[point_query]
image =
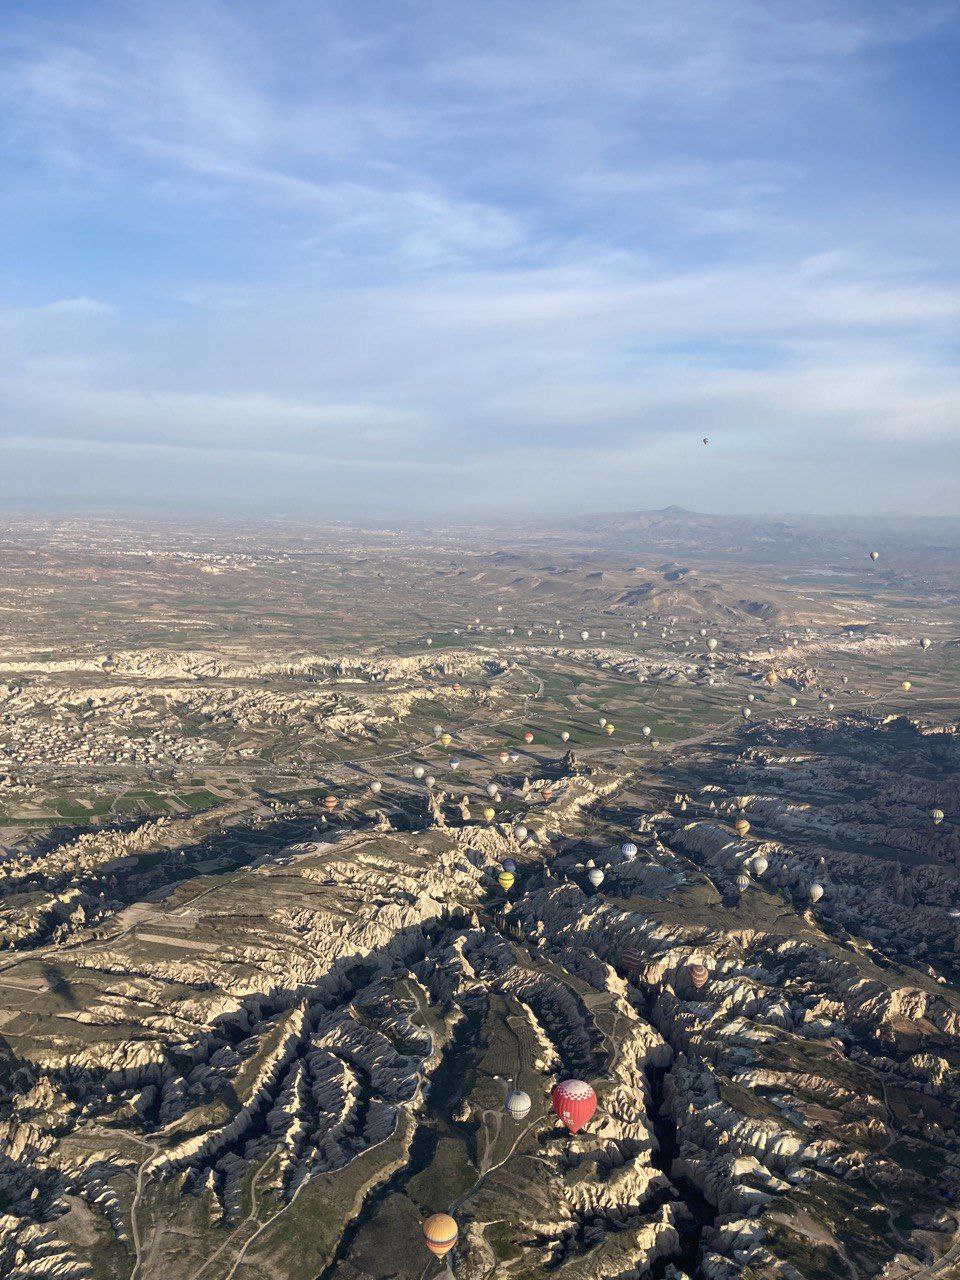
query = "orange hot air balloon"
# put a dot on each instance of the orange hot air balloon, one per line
(503, 757)
(771, 678)
(440, 1234)
(330, 803)
(741, 826)
(574, 1101)
(528, 737)
(698, 975)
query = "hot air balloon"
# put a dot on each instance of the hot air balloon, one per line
(514, 757)
(429, 780)
(440, 1234)
(454, 763)
(874, 555)
(445, 739)
(595, 876)
(937, 816)
(771, 678)
(429, 642)
(508, 864)
(418, 771)
(376, 786)
(698, 974)
(584, 635)
(816, 891)
(751, 697)
(521, 833)
(925, 643)
(503, 757)
(745, 713)
(706, 439)
(330, 803)
(602, 722)
(609, 729)
(759, 867)
(647, 731)
(793, 702)
(631, 959)
(505, 879)
(711, 644)
(518, 1105)
(575, 1102)
(565, 736)
(906, 686)
(528, 737)
(629, 850)
(742, 827)
(742, 882)
(489, 814)
(492, 789)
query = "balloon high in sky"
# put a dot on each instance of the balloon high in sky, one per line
(353, 258)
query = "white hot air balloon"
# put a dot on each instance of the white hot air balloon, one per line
(418, 771)
(629, 850)
(565, 736)
(816, 891)
(602, 722)
(595, 876)
(454, 764)
(711, 644)
(743, 882)
(376, 786)
(521, 833)
(793, 702)
(937, 816)
(430, 780)
(647, 731)
(760, 865)
(925, 643)
(584, 635)
(745, 713)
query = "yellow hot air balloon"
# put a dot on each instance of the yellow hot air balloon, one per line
(608, 729)
(906, 686)
(445, 739)
(440, 1234)
(505, 880)
(741, 826)
(489, 814)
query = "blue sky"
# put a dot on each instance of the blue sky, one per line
(480, 257)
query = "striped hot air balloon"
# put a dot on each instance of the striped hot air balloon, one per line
(574, 1101)
(631, 959)
(698, 974)
(440, 1234)
(518, 1104)
(330, 803)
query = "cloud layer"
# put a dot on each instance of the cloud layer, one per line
(440, 257)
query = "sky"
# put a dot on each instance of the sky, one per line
(480, 257)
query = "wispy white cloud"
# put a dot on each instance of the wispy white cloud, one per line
(452, 234)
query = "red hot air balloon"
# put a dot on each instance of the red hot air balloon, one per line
(574, 1101)
(528, 737)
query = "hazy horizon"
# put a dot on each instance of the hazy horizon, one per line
(388, 261)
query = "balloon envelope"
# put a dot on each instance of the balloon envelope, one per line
(595, 876)
(440, 1234)
(698, 975)
(518, 1104)
(575, 1102)
(505, 879)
